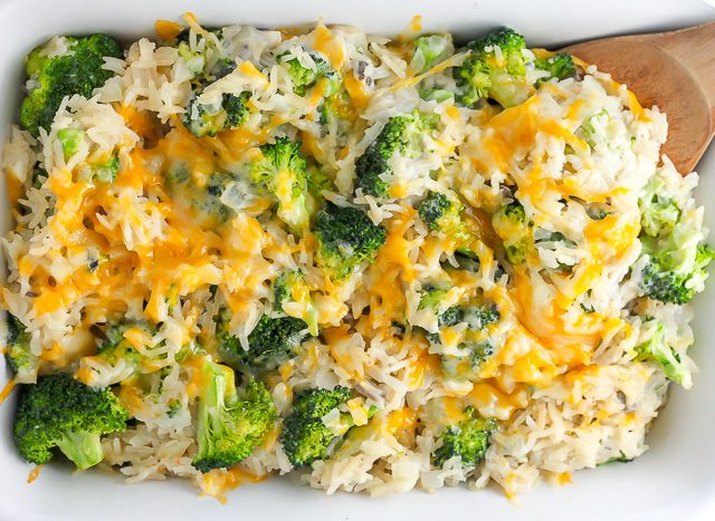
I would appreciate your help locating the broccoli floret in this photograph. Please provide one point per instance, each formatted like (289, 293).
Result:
(656, 349)
(468, 439)
(304, 78)
(206, 61)
(116, 347)
(510, 223)
(289, 289)
(22, 361)
(597, 211)
(71, 139)
(346, 238)
(272, 342)
(210, 119)
(467, 260)
(305, 438)
(207, 199)
(319, 182)
(665, 285)
(76, 71)
(677, 264)
(435, 207)
(432, 298)
(103, 170)
(476, 317)
(106, 172)
(466, 365)
(117, 359)
(231, 422)
(401, 135)
(430, 50)
(659, 213)
(495, 68)
(281, 171)
(443, 214)
(474, 348)
(464, 259)
(205, 194)
(58, 411)
(436, 94)
(660, 282)
(559, 66)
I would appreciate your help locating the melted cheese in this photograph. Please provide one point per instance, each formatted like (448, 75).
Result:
(329, 46)
(34, 474)
(218, 482)
(357, 92)
(7, 390)
(167, 30)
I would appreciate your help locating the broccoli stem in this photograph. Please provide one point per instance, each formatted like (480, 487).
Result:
(84, 449)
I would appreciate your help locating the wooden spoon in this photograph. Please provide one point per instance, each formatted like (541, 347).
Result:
(673, 70)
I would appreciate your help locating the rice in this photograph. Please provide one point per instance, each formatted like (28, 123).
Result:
(566, 381)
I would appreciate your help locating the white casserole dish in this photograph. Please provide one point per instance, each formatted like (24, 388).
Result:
(675, 480)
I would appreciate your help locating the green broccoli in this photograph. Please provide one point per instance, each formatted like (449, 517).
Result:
(272, 342)
(476, 317)
(467, 260)
(511, 225)
(116, 350)
(319, 182)
(437, 94)
(467, 365)
(468, 439)
(656, 349)
(304, 78)
(475, 349)
(346, 238)
(281, 171)
(665, 281)
(71, 139)
(206, 61)
(205, 197)
(305, 438)
(443, 214)
(495, 67)
(290, 287)
(22, 361)
(58, 411)
(210, 119)
(76, 71)
(659, 213)
(115, 347)
(337, 109)
(559, 66)
(463, 259)
(432, 298)
(401, 135)
(106, 172)
(231, 422)
(677, 263)
(430, 50)
(597, 211)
